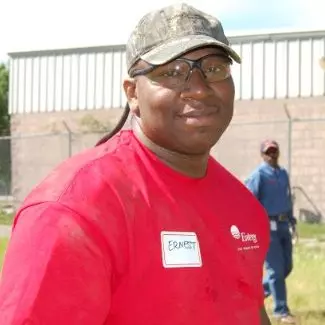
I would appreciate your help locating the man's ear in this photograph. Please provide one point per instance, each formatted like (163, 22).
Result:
(130, 90)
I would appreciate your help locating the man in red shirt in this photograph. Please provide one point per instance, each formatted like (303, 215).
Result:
(147, 228)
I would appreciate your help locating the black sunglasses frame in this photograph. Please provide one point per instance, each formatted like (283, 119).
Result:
(192, 64)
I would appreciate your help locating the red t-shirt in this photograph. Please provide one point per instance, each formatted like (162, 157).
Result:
(115, 237)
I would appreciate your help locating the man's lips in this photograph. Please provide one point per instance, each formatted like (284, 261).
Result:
(198, 109)
(199, 113)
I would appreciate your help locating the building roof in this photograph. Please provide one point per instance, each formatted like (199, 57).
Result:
(234, 38)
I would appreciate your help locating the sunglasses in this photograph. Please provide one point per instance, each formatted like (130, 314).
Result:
(175, 74)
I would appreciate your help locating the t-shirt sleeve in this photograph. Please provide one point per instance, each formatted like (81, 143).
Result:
(55, 271)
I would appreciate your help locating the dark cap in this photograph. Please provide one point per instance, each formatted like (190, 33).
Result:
(268, 144)
(172, 31)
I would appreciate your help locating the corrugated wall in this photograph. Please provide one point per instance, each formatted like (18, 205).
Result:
(280, 66)
(274, 66)
(76, 79)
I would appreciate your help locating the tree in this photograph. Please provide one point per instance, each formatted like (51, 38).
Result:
(5, 148)
(4, 115)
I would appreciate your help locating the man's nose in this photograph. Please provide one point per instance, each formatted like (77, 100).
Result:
(196, 85)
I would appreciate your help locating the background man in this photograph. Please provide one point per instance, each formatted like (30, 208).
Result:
(270, 184)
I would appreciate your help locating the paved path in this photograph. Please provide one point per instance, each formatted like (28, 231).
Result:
(5, 231)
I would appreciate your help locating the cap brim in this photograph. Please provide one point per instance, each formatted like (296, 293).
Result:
(266, 148)
(177, 47)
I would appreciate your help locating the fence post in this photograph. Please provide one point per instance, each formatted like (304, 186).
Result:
(69, 137)
(289, 138)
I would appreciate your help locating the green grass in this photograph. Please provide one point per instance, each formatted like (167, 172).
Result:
(306, 285)
(315, 231)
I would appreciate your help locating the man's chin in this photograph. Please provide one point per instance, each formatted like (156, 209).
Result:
(273, 162)
(200, 146)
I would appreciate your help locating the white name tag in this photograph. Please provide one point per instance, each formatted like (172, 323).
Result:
(273, 225)
(180, 249)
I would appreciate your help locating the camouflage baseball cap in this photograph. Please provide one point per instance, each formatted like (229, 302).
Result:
(168, 33)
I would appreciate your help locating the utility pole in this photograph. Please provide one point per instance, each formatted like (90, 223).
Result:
(322, 63)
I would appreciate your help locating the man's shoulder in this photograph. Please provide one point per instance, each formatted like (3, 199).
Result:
(255, 172)
(259, 168)
(283, 170)
(88, 172)
(262, 170)
(89, 188)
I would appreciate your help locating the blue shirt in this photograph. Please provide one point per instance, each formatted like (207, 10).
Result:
(271, 186)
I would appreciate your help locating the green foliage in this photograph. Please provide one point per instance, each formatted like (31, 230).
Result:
(4, 88)
(6, 218)
(5, 155)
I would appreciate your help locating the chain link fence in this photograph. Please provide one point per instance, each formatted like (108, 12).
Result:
(26, 159)
(302, 145)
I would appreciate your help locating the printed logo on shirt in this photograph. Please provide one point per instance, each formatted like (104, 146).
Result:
(235, 232)
(180, 249)
(247, 240)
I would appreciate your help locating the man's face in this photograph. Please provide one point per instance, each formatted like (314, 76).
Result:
(188, 119)
(271, 156)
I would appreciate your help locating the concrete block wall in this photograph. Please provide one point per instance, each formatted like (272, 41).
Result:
(302, 148)
(41, 141)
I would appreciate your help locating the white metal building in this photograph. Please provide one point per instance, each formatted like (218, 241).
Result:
(283, 65)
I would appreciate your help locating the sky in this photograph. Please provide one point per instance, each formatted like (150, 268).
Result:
(49, 24)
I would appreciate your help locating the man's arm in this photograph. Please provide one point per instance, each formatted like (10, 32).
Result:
(264, 317)
(55, 272)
